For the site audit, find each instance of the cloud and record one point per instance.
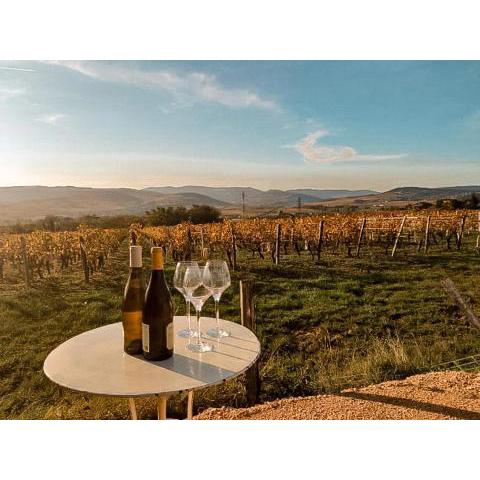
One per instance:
(53, 119)
(313, 152)
(16, 69)
(188, 87)
(8, 93)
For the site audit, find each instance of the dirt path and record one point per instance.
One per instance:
(433, 396)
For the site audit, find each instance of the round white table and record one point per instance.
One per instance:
(94, 362)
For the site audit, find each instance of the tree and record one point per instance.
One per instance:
(50, 223)
(473, 201)
(174, 216)
(166, 216)
(203, 214)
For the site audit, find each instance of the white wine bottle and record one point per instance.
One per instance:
(157, 326)
(132, 308)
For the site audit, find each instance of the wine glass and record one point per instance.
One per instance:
(217, 279)
(198, 297)
(179, 284)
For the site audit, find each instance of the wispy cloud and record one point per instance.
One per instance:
(314, 152)
(188, 87)
(54, 119)
(7, 93)
(17, 69)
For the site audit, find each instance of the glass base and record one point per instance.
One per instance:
(199, 347)
(187, 333)
(218, 333)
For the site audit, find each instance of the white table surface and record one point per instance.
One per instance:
(95, 362)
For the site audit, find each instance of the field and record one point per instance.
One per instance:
(323, 325)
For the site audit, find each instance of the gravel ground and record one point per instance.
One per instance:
(433, 396)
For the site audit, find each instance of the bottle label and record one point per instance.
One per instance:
(170, 336)
(146, 337)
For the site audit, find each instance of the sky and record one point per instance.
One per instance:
(316, 124)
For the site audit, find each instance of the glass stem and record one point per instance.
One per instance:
(189, 317)
(198, 326)
(217, 314)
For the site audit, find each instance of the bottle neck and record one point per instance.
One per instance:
(135, 271)
(157, 278)
(157, 266)
(158, 272)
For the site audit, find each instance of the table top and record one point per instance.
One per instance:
(94, 362)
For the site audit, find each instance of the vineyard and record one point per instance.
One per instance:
(347, 233)
(41, 253)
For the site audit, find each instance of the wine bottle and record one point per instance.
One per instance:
(132, 308)
(157, 326)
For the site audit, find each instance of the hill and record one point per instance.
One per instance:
(35, 202)
(399, 197)
(32, 203)
(260, 198)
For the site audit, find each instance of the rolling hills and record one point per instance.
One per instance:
(398, 197)
(34, 202)
(260, 198)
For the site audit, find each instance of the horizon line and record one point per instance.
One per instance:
(241, 186)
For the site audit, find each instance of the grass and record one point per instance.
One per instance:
(323, 326)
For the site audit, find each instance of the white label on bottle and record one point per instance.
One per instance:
(170, 336)
(146, 337)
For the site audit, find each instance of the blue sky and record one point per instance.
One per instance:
(263, 124)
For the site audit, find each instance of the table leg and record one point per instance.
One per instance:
(162, 408)
(190, 405)
(133, 409)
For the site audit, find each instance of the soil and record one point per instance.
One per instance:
(431, 396)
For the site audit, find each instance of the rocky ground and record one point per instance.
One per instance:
(432, 396)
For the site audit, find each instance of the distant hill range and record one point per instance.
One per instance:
(35, 202)
(260, 198)
(401, 196)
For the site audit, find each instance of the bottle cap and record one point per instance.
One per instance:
(157, 258)
(135, 256)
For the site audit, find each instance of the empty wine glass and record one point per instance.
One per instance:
(217, 279)
(179, 284)
(198, 297)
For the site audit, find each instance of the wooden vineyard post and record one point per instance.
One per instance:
(202, 244)
(460, 233)
(83, 255)
(26, 266)
(320, 239)
(133, 238)
(427, 227)
(477, 246)
(247, 315)
(362, 230)
(278, 236)
(234, 248)
(190, 245)
(397, 238)
(453, 292)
